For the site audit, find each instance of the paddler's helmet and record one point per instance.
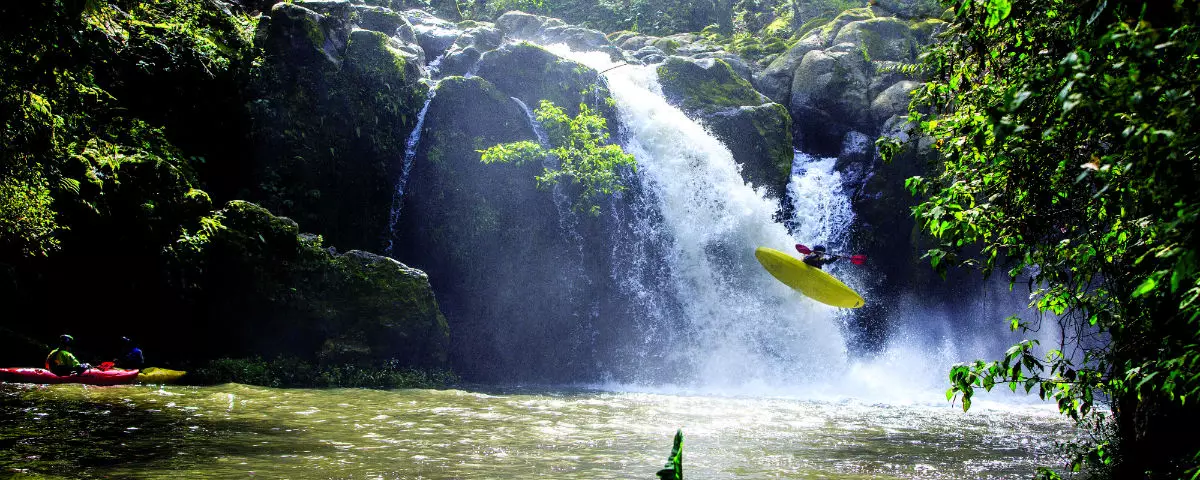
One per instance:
(819, 248)
(66, 339)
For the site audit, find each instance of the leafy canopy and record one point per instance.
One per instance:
(579, 144)
(1069, 142)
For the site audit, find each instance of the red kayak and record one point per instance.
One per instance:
(90, 377)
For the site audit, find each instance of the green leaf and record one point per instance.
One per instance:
(1146, 287)
(997, 10)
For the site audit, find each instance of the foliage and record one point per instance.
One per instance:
(581, 147)
(291, 372)
(26, 218)
(1068, 138)
(673, 470)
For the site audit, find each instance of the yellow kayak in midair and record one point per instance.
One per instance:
(812, 282)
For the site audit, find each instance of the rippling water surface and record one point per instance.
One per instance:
(236, 431)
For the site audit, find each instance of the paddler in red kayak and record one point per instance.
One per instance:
(62, 362)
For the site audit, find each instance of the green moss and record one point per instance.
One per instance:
(373, 54)
(714, 88)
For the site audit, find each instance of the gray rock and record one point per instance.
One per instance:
(525, 26)
(760, 139)
(379, 19)
(830, 96)
(635, 42)
(643, 52)
(435, 38)
(533, 74)
(893, 101)
(880, 38)
(776, 80)
(705, 85)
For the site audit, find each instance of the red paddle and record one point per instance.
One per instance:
(855, 259)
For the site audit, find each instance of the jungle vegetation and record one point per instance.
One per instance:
(1068, 142)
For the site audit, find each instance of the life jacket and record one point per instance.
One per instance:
(59, 359)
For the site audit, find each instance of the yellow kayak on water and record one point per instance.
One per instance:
(812, 282)
(159, 375)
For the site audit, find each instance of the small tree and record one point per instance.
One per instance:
(580, 145)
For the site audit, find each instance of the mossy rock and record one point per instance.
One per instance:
(334, 129)
(379, 19)
(760, 139)
(376, 55)
(885, 38)
(532, 74)
(830, 30)
(705, 85)
(271, 290)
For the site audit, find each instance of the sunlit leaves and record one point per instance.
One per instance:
(580, 146)
(1068, 144)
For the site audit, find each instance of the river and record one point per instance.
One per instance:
(239, 431)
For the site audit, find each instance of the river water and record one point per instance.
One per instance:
(238, 431)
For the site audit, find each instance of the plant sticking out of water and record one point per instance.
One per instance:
(673, 470)
(580, 144)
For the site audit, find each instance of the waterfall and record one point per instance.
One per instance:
(410, 152)
(745, 327)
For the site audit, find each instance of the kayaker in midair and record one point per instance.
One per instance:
(61, 361)
(818, 258)
(132, 359)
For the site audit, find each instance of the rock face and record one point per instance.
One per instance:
(334, 106)
(831, 79)
(480, 229)
(757, 131)
(309, 302)
(547, 31)
(532, 74)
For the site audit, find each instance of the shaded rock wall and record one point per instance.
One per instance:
(333, 108)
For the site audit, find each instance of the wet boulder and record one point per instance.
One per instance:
(302, 35)
(830, 97)
(893, 101)
(757, 131)
(435, 35)
(533, 74)
(305, 295)
(525, 26)
(760, 139)
(884, 38)
(468, 48)
(379, 19)
(487, 236)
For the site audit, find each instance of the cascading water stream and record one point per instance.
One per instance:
(746, 329)
(410, 152)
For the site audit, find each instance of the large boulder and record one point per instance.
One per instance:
(760, 139)
(885, 38)
(705, 85)
(485, 233)
(757, 131)
(468, 48)
(435, 35)
(330, 121)
(525, 26)
(776, 80)
(831, 97)
(548, 31)
(266, 289)
(532, 74)
(893, 101)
